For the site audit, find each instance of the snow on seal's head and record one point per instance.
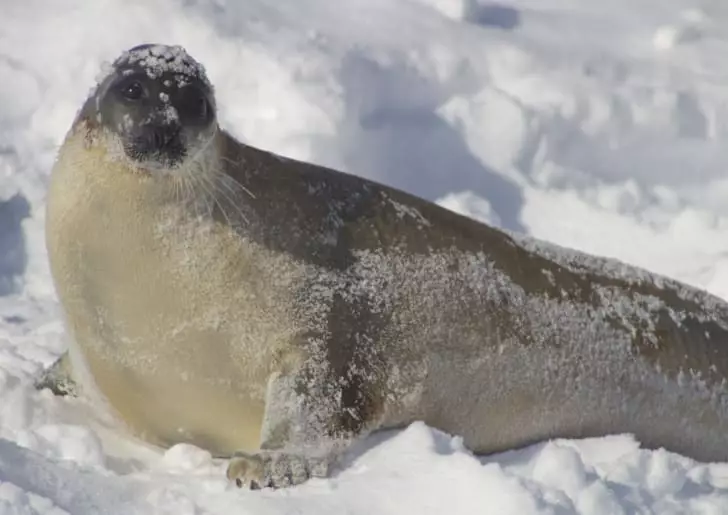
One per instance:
(156, 102)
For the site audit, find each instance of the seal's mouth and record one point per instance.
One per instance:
(157, 146)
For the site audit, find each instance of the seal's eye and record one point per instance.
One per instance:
(132, 90)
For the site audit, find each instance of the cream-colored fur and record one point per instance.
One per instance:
(177, 320)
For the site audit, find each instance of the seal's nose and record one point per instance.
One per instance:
(162, 141)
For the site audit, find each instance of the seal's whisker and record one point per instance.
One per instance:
(177, 188)
(210, 187)
(223, 188)
(236, 183)
(209, 199)
(234, 162)
(203, 195)
(227, 197)
(202, 150)
(226, 181)
(188, 180)
(201, 172)
(231, 194)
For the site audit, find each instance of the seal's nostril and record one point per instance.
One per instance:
(157, 138)
(163, 136)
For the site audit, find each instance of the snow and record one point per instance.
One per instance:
(594, 125)
(156, 60)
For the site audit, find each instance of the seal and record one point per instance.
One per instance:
(276, 311)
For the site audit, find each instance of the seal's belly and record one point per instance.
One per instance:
(171, 407)
(174, 361)
(175, 329)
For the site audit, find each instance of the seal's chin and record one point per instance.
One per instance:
(156, 146)
(157, 162)
(174, 155)
(167, 157)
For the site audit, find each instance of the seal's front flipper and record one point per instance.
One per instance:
(290, 422)
(303, 434)
(275, 469)
(58, 378)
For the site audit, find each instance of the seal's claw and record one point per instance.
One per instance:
(267, 469)
(246, 470)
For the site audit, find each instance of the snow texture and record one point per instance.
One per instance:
(157, 60)
(594, 125)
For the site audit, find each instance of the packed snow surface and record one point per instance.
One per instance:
(595, 125)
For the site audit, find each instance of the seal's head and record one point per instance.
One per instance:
(158, 102)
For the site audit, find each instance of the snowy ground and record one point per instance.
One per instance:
(597, 125)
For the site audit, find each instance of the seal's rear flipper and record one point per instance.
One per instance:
(58, 378)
